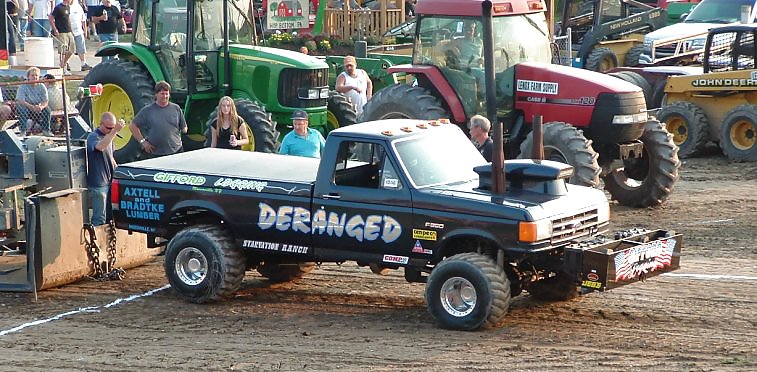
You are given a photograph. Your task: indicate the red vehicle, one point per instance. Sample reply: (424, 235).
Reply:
(594, 122)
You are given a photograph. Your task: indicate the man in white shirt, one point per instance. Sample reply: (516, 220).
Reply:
(79, 29)
(40, 11)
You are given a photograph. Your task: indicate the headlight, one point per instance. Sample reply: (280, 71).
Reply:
(324, 93)
(603, 213)
(630, 118)
(529, 232)
(312, 93)
(647, 43)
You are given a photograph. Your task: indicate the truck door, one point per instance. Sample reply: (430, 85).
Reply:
(365, 212)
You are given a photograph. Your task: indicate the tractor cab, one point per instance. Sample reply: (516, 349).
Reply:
(191, 48)
(454, 45)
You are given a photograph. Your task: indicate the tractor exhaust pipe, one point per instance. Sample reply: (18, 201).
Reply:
(537, 152)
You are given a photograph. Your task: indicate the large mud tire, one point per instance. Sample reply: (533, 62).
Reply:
(127, 88)
(467, 291)
(402, 101)
(263, 137)
(689, 126)
(601, 60)
(203, 264)
(280, 273)
(340, 112)
(567, 144)
(738, 135)
(634, 55)
(557, 288)
(647, 181)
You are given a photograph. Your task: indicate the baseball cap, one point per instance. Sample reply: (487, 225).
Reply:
(299, 115)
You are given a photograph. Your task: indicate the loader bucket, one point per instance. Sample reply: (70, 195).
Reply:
(54, 253)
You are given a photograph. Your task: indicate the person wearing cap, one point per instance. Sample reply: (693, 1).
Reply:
(302, 141)
(355, 84)
(158, 127)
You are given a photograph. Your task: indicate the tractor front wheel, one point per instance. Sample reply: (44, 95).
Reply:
(340, 112)
(402, 101)
(127, 88)
(566, 144)
(647, 180)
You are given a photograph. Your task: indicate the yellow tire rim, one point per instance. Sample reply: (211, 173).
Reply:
(678, 127)
(332, 122)
(743, 135)
(115, 100)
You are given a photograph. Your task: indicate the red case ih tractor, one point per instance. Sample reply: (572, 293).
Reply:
(591, 119)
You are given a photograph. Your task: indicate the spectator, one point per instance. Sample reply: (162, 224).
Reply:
(11, 23)
(93, 6)
(479, 127)
(78, 20)
(32, 104)
(55, 95)
(100, 165)
(229, 131)
(60, 23)
(5, 110)
(23, 18)
(107, 24)
(354, 83)
(40, 11)
(304, 50)
(302, 141)
(159, 126)
(465, 52)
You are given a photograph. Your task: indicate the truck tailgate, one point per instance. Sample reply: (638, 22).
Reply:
(615, 263)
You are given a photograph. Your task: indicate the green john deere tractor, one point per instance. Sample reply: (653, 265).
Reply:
(205, 50)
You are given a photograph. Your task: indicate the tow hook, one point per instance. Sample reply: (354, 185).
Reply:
(631, 150)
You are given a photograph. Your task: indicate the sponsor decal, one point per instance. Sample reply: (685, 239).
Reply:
(238, 184)
(725, 82)
(643, 259)
(396, 259)
(181, 179)
(631, 21)
(590, 284)
(434, 225)
(533, 86)
(276, 247)
(592, 277)
(424, 234)
(418, 248)
(142, 204)
(207, 189)
(298, 219)
(141, 228)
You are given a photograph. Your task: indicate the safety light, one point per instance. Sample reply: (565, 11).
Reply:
(114, 199)
(630, 118)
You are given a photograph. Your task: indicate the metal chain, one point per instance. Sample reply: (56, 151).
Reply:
(109, 271)
(93, 251)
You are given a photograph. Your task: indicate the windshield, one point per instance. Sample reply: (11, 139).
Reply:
(438, 159)
(717, 11)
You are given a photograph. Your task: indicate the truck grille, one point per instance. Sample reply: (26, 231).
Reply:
(292, 80)
(570, 228)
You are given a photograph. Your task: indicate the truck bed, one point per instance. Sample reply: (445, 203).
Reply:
(238, 164)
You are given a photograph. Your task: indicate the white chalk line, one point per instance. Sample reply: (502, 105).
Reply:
(94, 309)
(712, 277)
(88, 309)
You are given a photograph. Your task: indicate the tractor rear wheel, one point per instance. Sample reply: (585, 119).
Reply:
(263, 137)
(634, 55)
(689, 126)
(601, 60)
(280, 273)
(340, 112)
(738, 135)
(203, 264)
(567, 144)
(127, 88)
(468, 291)
(402, 101)
(646, 181)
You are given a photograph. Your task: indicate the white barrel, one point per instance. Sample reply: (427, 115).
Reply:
(39, 51)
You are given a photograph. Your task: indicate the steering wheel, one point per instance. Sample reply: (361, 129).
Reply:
(453, 58)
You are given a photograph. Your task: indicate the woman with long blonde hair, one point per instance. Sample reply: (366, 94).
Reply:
(229, 131)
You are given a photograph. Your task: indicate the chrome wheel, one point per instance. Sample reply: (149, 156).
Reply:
(191, 266)
(458, 296)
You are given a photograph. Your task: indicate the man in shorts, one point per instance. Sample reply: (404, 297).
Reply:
(60, 24)
(78, 20)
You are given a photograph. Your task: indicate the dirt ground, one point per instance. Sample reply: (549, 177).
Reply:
(349, 319)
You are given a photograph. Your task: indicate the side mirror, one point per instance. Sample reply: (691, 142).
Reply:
(683, 16)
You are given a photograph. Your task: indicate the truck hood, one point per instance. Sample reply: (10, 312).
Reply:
(682, 29)
(515, 204)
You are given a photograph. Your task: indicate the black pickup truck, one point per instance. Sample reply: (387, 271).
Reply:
(387, 194)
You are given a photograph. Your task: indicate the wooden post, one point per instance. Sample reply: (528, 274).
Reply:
(382, 17)
(347, 24)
